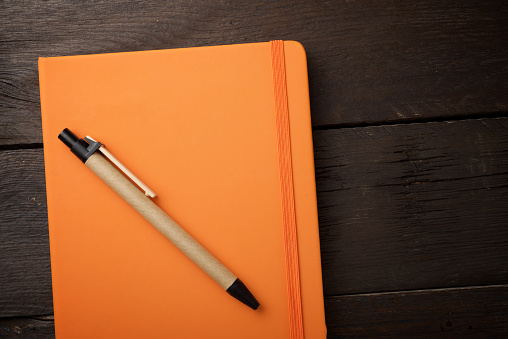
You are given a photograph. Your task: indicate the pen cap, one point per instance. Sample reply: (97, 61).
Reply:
(68, 137)
(79, 147)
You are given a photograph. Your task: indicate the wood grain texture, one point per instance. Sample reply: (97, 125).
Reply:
(25, 276)
(369, 61)
(414, 206)
(27, 327)
(473, 312)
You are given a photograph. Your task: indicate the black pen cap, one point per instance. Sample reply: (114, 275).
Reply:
(82, 149)
(68, 137)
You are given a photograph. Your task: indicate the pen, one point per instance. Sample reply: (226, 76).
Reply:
(97, 158)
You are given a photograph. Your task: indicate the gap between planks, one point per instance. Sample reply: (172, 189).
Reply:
(477, 116)
(426, 290)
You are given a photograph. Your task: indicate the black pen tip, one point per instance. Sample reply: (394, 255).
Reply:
(240, 292)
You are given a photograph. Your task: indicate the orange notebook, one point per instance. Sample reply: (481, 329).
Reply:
(201, 127)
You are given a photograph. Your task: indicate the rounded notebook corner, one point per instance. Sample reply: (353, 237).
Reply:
(296, 45)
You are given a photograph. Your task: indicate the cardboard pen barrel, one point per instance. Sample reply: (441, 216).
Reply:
(160, 220)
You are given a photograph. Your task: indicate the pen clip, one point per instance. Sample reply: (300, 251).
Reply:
(122, 168)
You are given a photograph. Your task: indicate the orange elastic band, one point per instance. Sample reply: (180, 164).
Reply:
(287, 192)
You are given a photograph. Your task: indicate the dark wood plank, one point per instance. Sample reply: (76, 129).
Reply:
(413, 206)
(445, 313)
(478, 312)
(23, 327)
(25, 277)
(401, 207)
(369, 61)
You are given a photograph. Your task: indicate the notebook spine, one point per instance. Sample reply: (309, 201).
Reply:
(287, 192)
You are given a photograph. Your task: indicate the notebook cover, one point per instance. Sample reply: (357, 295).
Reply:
(197, 125)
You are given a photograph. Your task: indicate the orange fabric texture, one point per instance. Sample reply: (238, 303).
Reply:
(197, 125)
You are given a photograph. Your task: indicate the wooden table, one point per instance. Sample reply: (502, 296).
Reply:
(410, 118)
